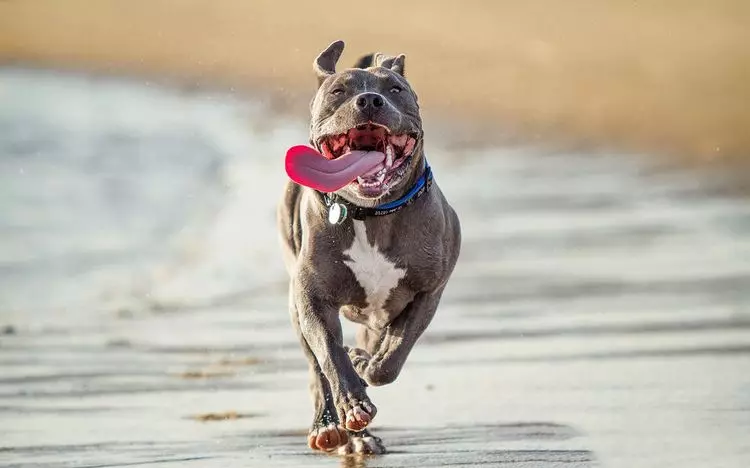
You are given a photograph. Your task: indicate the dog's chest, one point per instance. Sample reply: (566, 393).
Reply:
(376, 274)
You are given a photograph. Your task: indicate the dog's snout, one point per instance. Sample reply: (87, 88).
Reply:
(369, 101)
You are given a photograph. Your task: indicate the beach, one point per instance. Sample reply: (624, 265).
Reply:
(599, 315)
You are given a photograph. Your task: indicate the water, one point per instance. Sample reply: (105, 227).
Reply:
(599, 315)
(108, 188)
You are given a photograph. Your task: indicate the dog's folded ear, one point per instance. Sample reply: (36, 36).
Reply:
(325, 64)
(396, 64)
(365, 61)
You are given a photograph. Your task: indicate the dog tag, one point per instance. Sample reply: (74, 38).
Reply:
(336, 213)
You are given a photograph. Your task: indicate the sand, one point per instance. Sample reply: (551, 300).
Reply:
(670, 77)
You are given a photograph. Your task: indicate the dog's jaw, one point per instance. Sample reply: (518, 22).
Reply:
(384, 179)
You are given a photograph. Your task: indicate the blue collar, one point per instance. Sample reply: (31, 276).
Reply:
(358, 212)
(422, 185)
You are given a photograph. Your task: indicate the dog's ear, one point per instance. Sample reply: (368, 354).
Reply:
(365, 61)
(396, 64)
(399, 65)
(325, 64)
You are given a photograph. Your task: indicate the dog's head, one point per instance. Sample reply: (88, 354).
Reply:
(370, 108)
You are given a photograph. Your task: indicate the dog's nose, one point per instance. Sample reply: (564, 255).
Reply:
(370, 101)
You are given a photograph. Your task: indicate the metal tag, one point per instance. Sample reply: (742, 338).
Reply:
(336, 213)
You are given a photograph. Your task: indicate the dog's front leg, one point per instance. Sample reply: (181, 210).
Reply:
(325, 433)
(389, 349)
(321, 329)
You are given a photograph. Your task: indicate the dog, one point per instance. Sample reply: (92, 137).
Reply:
(379, 251)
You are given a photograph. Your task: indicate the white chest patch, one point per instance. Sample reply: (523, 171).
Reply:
(374, 271)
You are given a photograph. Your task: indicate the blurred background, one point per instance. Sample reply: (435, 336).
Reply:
(598, 155)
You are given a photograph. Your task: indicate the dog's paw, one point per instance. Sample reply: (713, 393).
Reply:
(360, 359)
(327, 438)
(358, 413)
(362, 443)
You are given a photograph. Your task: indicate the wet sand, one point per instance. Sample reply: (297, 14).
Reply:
(599, 316)
(663, 77)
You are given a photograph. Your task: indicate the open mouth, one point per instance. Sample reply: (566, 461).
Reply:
(371, 137)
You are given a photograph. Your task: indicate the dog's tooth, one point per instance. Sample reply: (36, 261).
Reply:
(399, 140)
(326, 150)
(410, 143)
(381, 177)
(346, 149)
(388, 155)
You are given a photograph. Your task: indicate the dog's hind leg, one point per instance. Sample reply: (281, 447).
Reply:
(368, 339)
(362, 442)
(325, 434)
(381, 355)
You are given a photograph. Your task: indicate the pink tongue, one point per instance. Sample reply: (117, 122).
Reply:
(306, 166)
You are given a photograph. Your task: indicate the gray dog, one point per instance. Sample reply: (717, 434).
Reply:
(378, 251)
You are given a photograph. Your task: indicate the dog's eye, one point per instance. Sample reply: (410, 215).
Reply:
(397, 89)
(337, 92)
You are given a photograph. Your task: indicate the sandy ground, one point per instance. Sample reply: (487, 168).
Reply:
(670, 76)
(599, 315)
